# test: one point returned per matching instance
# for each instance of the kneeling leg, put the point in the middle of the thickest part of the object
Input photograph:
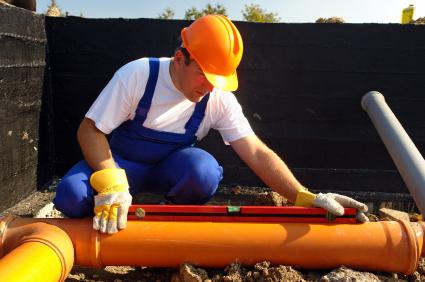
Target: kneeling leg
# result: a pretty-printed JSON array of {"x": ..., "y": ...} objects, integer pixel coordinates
[{"x": 188, "y": 176}]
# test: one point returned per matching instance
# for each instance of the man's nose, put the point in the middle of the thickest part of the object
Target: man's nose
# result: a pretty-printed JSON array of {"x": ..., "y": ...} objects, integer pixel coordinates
[{"x": 208, "y": 86}]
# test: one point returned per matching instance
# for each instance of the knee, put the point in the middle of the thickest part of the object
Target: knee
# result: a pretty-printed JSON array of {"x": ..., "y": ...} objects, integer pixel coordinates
[
  {"x": 205, "y": 174},
  {"x": 202, "y": 179},
  {"x": 74, "y": 197}
]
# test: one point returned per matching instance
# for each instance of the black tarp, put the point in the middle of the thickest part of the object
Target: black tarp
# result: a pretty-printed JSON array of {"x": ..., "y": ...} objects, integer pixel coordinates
[{"x": 300, "y": 87}]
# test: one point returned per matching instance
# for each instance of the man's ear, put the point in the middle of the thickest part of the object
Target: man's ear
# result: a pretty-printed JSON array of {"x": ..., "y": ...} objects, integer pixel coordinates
[{"x": 179, "y": 57}]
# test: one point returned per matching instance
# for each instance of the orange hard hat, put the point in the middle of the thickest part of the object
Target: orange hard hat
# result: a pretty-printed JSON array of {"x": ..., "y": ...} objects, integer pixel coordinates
[{"x": 216, "y": 45}]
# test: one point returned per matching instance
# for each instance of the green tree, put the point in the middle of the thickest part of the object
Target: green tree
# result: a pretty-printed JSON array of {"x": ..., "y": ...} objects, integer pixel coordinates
[
  {"x": 193, "y": 13},
  {"x": 254, "y": 13},
  {"x": 167, "y": 14},
  {"x": 219, "y": 9},
  {"x": 337, "y": 20}
]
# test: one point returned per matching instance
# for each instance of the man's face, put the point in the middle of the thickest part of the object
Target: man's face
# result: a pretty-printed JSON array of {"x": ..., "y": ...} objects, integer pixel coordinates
[{"x": 193, "y": 83}]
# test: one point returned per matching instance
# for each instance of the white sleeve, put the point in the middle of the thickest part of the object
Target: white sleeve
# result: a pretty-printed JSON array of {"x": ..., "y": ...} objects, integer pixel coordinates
[
  {"x": 231, "y": 123},
  {"x": 118, "y": 100},
  {"x": 112, "y": 107}
]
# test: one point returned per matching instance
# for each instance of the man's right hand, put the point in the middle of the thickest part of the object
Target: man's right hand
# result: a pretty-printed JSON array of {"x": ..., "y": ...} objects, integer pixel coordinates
[{"x": 112, "y": 201}]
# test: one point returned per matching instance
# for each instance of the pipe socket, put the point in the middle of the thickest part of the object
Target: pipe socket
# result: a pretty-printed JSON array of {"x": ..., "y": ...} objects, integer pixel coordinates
[{"x": 33, "y": 251}]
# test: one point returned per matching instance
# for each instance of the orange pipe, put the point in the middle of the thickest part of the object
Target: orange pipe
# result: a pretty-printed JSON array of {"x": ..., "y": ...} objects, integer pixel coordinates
[
  {"x": 33, "y": 251},
  {"x": 381, "y": 246}
]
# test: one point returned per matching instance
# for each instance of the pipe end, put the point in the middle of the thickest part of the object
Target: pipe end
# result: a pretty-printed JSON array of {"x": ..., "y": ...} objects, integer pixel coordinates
[{"x": 369, "y": 95}]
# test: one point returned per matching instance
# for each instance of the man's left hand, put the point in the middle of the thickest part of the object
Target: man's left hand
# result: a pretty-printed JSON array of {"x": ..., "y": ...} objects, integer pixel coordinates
[{"x": 334, "y": 203}]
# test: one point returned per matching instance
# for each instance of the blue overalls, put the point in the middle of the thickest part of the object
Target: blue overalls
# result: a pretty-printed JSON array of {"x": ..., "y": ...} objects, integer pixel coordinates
[{"x": 158, "y": 162}]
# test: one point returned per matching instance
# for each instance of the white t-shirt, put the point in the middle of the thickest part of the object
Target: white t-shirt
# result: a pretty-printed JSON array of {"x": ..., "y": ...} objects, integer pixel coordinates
[{"x": 170, "y": 110}]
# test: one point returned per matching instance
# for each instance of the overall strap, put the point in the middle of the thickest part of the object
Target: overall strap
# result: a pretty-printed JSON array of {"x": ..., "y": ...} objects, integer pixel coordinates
[
  {"x": 195, "y": 120},
  {"x": 146, "y": 101}
]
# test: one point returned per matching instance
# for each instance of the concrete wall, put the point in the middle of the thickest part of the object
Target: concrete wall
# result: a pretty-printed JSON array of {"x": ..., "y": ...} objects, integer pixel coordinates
[
  {"x": 22, "y": 61},
  {"x": 300, "y": 87}
]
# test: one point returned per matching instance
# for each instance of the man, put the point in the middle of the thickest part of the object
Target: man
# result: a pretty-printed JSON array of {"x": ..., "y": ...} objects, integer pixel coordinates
[{"x": 156, "y": 109}]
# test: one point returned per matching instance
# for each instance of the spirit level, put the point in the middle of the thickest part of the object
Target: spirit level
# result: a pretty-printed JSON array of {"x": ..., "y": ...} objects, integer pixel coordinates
[{"x": 238, "y": 214}]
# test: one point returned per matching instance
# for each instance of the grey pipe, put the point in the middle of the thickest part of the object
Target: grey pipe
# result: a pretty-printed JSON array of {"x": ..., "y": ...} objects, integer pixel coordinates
[{"x": 404, "y": 153}]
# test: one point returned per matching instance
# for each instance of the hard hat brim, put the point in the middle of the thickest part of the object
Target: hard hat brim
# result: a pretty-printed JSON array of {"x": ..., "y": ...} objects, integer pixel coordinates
[{"x": 224, "y": 83}]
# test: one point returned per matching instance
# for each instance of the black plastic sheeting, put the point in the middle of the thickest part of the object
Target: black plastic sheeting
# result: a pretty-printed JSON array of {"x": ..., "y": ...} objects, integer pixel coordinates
[
  {"x": 22, "y": 61},
  {"x": 300, "y": 87}
]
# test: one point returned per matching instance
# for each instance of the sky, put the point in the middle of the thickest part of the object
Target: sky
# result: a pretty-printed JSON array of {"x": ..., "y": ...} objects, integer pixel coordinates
[{"x": 289, "y": 11}]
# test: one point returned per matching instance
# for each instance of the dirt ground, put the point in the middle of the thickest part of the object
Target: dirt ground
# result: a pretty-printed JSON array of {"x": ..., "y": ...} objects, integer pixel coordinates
[{"x": 262, "y": 271}]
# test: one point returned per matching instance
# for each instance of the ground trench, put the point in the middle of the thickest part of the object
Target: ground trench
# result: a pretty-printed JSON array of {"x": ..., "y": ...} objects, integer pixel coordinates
[{"x": 39, "y": 205}]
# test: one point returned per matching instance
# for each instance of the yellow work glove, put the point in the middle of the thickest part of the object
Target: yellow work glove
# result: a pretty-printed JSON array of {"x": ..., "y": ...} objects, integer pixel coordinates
[
  {"x": 112, "y": 201},
  {"x": 334, "y": 203}
]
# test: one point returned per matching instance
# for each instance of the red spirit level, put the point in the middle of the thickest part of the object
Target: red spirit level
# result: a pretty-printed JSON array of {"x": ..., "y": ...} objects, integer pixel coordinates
[{"x": 238, "y": 214}]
